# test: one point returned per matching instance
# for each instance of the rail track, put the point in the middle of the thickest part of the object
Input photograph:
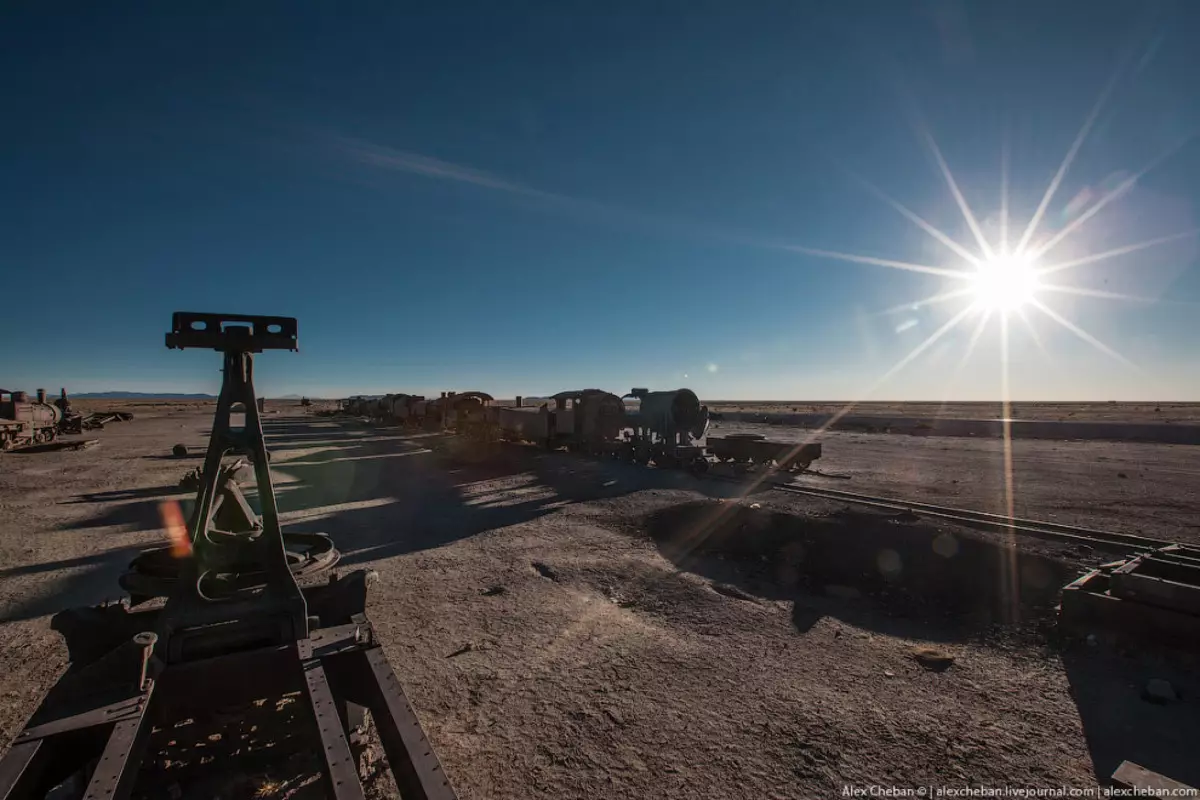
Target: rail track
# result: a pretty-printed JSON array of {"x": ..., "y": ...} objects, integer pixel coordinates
[
  {"x": 1111, "y": 541},
  {"x": 1108, "y": 540}
]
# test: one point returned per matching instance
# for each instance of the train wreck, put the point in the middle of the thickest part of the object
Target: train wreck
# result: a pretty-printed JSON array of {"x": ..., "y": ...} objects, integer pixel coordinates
[
  {"x": 668, "y": 429},
  {"x": 25, "y": 422}
]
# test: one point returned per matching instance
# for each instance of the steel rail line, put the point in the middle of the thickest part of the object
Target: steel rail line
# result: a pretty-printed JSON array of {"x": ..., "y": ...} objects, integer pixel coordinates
[{"x": 1039, "y": 528}]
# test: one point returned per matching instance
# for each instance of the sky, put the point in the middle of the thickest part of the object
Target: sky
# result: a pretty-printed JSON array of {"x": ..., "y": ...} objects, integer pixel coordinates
[{"x": 528, "y": 197}]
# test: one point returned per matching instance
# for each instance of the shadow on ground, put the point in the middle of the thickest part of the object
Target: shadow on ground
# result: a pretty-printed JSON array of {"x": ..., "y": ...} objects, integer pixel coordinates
[
  {"x": 122, "y": 495},
  {"x": 395, "y": 495},
  {"x": 381, "y": 493},
  {"x": 93, "y": 578},
  {"x": 1121, "y": 724},
  {"x": 868, "y": 570}
]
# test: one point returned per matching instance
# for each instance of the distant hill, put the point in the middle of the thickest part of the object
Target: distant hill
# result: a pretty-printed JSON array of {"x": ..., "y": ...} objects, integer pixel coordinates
[{"x": 140, "y": 396}]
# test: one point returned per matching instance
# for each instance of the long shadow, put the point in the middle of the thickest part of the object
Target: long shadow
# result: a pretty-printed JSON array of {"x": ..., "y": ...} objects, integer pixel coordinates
[
  {"x": 139, "y": 515},
  {"x": 868, "y": 570},
  {"x": 122, "y": 495},
  {"x": 379, "y": 497},
  {"x": 97, "y": 581},
  {"x": 393, "y": 497},
  {"x": 389, "y": 501},
  {"x": 1121, "y": 725}
]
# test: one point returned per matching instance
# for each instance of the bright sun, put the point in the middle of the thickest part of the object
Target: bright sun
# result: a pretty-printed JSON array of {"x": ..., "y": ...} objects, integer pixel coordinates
[{"x": 1005, "y": 283}]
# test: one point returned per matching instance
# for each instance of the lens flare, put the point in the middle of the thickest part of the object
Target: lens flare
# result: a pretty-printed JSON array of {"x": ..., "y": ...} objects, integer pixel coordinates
[{"x": 176, "y": 528}]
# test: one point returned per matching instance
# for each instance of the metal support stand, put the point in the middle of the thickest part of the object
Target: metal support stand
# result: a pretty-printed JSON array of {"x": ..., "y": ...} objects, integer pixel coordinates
[
  {"x": 274, "y": 611},
  {"x": 236, "y": 630}
]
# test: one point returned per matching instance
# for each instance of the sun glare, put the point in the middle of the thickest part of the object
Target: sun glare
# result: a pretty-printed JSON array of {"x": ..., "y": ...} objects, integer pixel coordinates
[{"x": 1004, "y": 283}]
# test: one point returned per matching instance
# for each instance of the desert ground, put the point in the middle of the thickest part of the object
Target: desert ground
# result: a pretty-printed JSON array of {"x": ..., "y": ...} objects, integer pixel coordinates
[
  {"x": 1061, "y": 412},
  {"x": 576, "y": 628}
]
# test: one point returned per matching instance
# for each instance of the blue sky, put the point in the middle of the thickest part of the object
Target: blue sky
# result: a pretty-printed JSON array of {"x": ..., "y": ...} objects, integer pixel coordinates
[{"x": 527, "y": 197}]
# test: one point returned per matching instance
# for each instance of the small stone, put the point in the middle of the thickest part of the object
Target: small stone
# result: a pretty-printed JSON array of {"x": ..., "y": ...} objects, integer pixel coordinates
[
  {"x": 932, "y": 659},
  {"x": 492, "y": 591},
  {"x": 756, "y": 505},
  {"x": 179, "y": 450},
  {"x": 1159, "y": 691},
  {"x": 888, "y": 673},
  {"x": 1122, "y": 475},
  {"x": 615, "y": 716}
]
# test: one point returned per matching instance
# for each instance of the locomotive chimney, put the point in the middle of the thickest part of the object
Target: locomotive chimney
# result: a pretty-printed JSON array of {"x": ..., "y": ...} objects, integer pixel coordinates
[
  {"x": 41, "y": 395},
  {"x": 519, "y": 399},
  {"x": 63, "y": 396}
]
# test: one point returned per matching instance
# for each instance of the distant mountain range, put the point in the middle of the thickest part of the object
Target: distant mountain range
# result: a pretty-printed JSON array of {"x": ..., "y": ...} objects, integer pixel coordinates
[
  {"x": 158, "y": 396},
  {"x": 139, "y": 396}
]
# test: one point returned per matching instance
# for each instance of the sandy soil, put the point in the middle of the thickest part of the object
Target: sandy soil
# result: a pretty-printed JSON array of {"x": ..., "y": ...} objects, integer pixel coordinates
[
  {"x": 1063, "y": 412},
  {"x": 580, "y": 629},
  {"x": 1147, "y": 489}
]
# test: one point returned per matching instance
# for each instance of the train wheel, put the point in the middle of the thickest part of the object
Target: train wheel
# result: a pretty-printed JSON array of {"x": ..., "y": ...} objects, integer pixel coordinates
[{"x": 699, "y": 466}]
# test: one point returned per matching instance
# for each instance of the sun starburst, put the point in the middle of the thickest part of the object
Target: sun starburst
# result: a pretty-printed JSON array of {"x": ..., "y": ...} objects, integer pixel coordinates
[{"x": 999, "y": 283}]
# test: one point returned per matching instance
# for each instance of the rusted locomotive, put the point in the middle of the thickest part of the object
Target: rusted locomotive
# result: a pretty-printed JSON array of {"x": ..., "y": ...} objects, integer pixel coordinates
[
  {"x": 453, "y": 410},
  {"x": 583, "y": 420},
  {"x": 24, "y": 421},
  {"x": 665, "y": 428}
]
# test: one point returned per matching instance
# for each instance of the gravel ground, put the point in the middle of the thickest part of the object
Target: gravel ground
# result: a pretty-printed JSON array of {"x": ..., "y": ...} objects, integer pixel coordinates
[
  {"x": 1147, "y": 489},
  {"x": 1074, "y": 412},
  {"x": 573, "y": 628}
]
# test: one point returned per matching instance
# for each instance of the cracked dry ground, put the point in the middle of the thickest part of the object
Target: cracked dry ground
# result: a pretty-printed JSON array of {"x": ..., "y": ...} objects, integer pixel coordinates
[{"x": 579, "y": 629}]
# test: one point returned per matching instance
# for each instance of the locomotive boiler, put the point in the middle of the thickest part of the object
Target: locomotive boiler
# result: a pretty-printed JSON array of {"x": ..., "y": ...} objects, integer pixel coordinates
[{"x": 667, "y": 427}]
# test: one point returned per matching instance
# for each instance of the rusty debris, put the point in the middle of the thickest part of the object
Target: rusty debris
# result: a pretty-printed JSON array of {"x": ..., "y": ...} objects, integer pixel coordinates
[{"x": 1155, "y": 594}]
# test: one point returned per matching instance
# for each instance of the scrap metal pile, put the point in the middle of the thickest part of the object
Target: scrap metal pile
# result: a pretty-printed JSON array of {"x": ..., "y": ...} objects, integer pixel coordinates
[
  {"x": 1153, "y": 594},
  {"x": 241, "y": 666},
  {"x": 667, "y": 429},
  {"x": 95, "y": 421}
]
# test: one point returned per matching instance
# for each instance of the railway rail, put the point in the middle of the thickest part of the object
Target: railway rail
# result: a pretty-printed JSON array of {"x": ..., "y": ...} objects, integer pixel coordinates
[
  {"x": 1105, "y": 540},
  {"x": 1108, "y": 540}
]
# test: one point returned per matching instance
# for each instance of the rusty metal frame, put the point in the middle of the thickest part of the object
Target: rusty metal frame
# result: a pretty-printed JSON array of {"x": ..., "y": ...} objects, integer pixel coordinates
[
  {"x": 1152, "y": 596},
  {"x": 192, "y": 653}
]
